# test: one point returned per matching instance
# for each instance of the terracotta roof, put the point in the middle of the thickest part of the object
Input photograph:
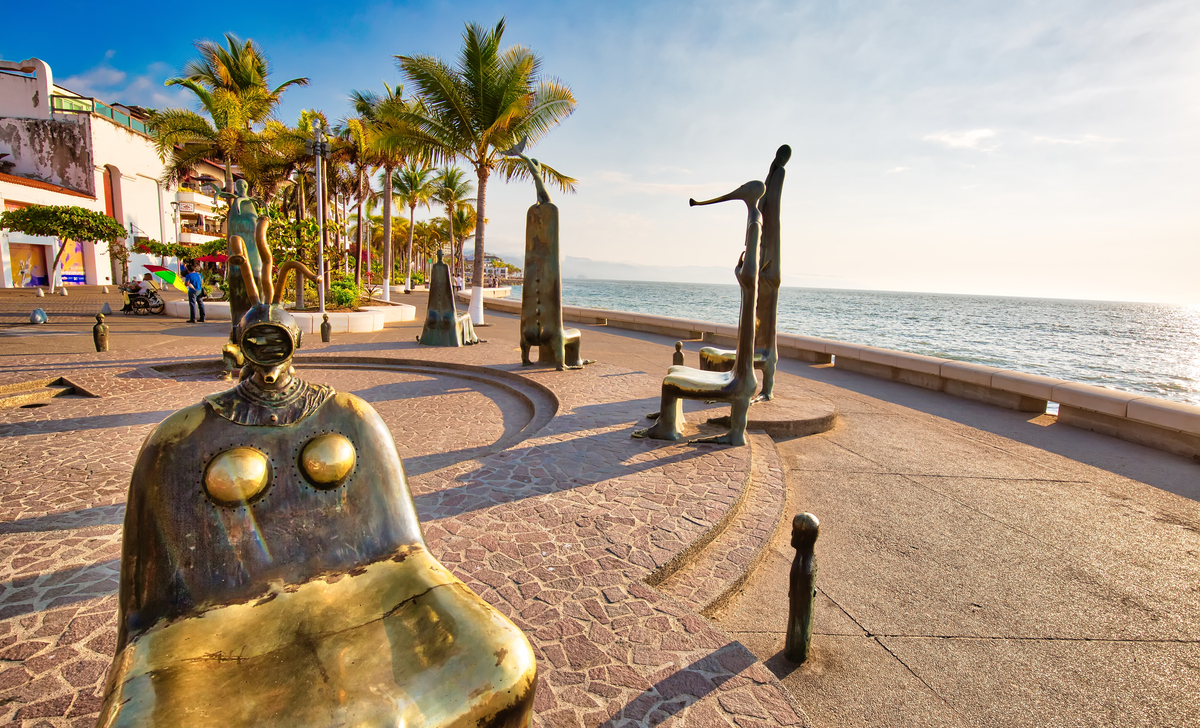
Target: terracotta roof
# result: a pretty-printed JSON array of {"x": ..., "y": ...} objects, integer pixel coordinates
[{"x": 38, "y": 184}]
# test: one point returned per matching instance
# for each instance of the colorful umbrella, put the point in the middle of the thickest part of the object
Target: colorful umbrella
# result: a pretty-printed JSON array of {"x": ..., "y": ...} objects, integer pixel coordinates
[{"x": 168, "y": 276}]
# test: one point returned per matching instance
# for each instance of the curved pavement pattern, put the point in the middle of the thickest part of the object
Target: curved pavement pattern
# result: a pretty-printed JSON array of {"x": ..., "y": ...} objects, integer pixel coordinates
[{"x": 528, "y": 487}]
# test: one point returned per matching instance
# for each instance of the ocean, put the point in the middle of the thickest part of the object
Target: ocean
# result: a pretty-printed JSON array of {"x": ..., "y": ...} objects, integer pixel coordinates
[{"x": 1146, "y": 348}]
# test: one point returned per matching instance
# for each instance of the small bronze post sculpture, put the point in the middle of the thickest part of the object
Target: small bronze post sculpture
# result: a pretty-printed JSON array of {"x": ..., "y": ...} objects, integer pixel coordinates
[
  {"x": 802, "y": 589},
  {"x": 273, "y": 571},
  {"x": 444, "y": 325},
  {"x": 100, "y": 333},
  {"x": 766, "y": 309},
  {"x": 541, "y": 294},
  {"x": 677, "y": 357},
  {"x": 736, "y": 386},
  {"x": 326, "y": 328}
]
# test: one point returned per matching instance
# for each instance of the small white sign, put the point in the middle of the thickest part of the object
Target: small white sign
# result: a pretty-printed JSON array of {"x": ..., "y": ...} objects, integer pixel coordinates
[{"x": 187, "y": 207}]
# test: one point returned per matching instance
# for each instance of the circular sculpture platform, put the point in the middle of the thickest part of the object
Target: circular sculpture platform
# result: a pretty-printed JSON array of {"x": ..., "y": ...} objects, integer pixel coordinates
[{"x": 792, "y": 413}]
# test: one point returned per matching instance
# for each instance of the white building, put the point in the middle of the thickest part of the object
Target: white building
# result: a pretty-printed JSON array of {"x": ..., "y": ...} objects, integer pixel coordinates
[{"x": 65, "y": 149}]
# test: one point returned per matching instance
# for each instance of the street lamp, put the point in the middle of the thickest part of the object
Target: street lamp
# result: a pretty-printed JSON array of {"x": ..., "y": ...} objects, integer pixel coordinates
[
  {"x": 319, "y": 148},
  {"x": 175, "y": 218}
]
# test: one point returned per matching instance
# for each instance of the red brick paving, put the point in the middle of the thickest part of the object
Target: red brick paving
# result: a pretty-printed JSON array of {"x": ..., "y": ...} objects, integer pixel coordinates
[{"x": 558, "y": 528}]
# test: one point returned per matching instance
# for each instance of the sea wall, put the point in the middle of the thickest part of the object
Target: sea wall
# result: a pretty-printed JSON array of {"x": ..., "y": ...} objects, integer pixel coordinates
[{"x": 1150, "y": 421}]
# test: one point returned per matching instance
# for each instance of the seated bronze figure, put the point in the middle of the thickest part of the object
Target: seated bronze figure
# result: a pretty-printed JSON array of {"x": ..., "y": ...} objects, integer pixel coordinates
[
  {"x": 541, "y": 290},
  {"x": 444, "y": 325},
  {"x": 737, "y": 385},
  {"x": 273, "y": 571},
  {"x": 766, "y": 309}
]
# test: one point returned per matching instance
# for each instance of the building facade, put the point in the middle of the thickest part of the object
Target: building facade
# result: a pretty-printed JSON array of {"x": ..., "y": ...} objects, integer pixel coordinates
[{"x": 60, "y": 148}]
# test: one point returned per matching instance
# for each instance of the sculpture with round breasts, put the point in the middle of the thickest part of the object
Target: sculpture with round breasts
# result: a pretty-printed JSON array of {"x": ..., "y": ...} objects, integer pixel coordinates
[{"x": 273, "y": 571}]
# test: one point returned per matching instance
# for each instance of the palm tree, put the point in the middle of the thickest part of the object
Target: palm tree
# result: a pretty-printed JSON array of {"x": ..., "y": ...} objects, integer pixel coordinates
[
  {"x": 381, "y": 115},
  {"x": 353, "y": 132},
  {"x": 488, "y": 102},
  {"x": 452, "y": 189},
  {"x": 231, "y": 84},
  {"x": 464, "y": 229},
  {"x": 413, "y": 185}
]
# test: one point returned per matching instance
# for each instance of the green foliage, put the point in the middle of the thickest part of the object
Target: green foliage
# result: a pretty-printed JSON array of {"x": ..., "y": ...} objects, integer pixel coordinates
[
  {"x": 179, "y": 250},
  {"x": 65, "y": 222},
  {"x": 343, "y": 293}
]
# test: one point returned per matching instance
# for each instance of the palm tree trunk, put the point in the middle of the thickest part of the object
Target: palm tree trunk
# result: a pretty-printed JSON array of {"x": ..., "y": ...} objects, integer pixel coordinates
[
  {"x": 412, "y": 212},
  {"x": 62, "y": 247},
  {"x": 387, "y": 233},
  {"x": 358, "y": 236},
  {"x": 476, "y": 308},
  {"x": 450, "y": 229}
]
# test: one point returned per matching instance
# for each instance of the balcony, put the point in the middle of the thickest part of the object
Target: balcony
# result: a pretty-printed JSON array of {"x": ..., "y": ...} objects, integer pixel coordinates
[
  {"x": 83, "y": 105},
  {"x": 198, "y": 200}
]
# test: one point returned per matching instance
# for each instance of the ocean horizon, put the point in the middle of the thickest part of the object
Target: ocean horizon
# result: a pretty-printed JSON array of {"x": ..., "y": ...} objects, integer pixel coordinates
[{"x": 1145, "y": 348}]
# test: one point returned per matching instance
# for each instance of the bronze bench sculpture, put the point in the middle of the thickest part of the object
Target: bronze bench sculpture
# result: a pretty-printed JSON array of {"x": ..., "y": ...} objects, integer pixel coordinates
[
  {"x": 736, "y": 386},
  {"x": 444, "y": 325},
  {"x": 766, "y": 309},
  {"x": 273, "y": 571},
  {"x": 541, "y": 291}
]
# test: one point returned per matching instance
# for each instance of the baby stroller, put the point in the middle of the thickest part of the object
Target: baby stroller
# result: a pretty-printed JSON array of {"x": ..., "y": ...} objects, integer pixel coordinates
[{"x": 143, "y": 303}]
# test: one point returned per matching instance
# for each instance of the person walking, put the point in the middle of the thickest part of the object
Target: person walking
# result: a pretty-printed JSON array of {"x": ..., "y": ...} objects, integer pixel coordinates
[{"x": 195, "y": 288}]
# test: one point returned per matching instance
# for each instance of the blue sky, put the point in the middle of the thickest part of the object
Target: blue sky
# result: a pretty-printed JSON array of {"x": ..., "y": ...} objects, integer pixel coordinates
[{"x": 1042, "y": 148}]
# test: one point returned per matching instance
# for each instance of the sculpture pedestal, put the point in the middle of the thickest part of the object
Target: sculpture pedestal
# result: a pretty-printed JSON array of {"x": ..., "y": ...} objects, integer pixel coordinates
[{"x": 792, "y": 413}]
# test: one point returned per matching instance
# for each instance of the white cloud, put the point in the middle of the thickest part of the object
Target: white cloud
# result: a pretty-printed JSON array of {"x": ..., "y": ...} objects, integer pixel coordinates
[
  {"x": 974, "y": 139},
  {"x": 1085, "y": 139},
  {"x": 894, "y": 170},
  {"x": 112, "y": 85}
]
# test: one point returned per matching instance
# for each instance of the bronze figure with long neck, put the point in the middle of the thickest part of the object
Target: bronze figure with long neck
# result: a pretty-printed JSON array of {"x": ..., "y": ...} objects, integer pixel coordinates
[{"x": 737, "y": 386}]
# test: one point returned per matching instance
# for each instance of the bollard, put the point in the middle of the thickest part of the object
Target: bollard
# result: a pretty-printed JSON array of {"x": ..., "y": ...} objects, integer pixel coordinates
[
  {"x": 100, "y": 333},
  {"x": 326, "y": 329},
  {"x": 106, "y": 309},
  {"x": 40, "y": 293},
  {"x": 802, "y": 589},
  {"x": 104, "y": 289},
  {"x": 62, "y": 291},
  {"x": 677, "y": 359},
  {"x": 38, "y": 316}
]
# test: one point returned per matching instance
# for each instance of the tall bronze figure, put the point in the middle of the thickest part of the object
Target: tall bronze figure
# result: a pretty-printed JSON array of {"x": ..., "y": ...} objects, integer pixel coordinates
[
  {"x": 444, "y": 325},
  {"x": 766, "y": 309},
  {"x": 737, "y": 385},
  {"x": 541, "y": 292},
  {"x": 243, "y": 224},
  {"x": 273, "y": 571}
]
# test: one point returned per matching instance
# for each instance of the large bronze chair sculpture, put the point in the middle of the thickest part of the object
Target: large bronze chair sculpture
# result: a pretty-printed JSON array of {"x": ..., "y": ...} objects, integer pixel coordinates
[
  {"x": 766, "y": 309},
  {"x": 737, "y": 385},
  {"x": 444, "y": 325},
  {"x": 273, "y": 571},
  {"x": 541, "y": 291}
]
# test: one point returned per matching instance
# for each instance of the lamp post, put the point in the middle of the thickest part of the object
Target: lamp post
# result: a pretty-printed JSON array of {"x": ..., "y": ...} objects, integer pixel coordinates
[
  {"x": 175, "y": 218},
  {"x": 319, "y": 148}
]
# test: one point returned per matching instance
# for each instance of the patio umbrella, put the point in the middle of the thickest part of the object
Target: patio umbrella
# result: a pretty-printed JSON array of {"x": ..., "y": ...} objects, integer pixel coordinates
[
  {"x": 168, "y": 276},
  {"x": 214, "y": 258}
]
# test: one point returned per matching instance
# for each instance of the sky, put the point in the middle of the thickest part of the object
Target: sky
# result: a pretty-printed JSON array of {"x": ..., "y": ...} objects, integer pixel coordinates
[{"x": 1044, "y": 148}]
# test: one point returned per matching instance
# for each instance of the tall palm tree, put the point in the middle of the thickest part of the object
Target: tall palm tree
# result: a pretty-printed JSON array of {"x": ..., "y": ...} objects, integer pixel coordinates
[
  {"x": 491, "y": 99},
  {"x": 353, "y": 132},
  {"x": 452, "y": 189},
  {"x": 413, "y": 184},
  {"x": 231, "y": 85},
  {"x": 464, "y": 229},
  {"x": 382, "y": 115}
]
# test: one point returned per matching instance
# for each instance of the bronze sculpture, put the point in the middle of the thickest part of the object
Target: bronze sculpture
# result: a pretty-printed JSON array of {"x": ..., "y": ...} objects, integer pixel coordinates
[
  {"x": 541, "y": 292},
  {"x": 444, "y": 325},
  {"x": 737, "y": 385},
  {"x": 100, "y": 333},
  {"x": 326, "y": 328},
  {"x": 273, "y": 571},
  {"x": 766, "y": 309},
  {"x": 802, "y": 590},
  {"x": 243, "y": 224}
]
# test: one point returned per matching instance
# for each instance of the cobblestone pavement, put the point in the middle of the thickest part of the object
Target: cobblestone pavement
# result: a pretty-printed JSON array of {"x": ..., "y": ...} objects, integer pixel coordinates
[{"x": 559, "y": 526}]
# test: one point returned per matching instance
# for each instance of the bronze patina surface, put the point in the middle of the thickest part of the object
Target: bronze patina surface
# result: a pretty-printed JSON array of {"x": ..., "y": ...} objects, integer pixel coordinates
[
  {"x": 273, "y": 571},
  {"x": 802, "y": 589},
  {"x": 100, "y": 333},
  {"x": 766, "y": 309},
  {"x": 541, "y": 291},
  {"x": 736, "y": 386},
  {"x": 444, "y": 325}
]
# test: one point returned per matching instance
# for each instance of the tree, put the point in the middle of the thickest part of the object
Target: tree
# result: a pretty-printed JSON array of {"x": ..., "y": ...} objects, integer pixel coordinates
[
  {"x": 383, "y": 120},
  {"x": 487, "y": 103},
  {"x": 64, "y": 223},
  {"x": 452, "y": 190},
  {"x": 413, "y": 185},
  {"x": 231, "y": 84}
]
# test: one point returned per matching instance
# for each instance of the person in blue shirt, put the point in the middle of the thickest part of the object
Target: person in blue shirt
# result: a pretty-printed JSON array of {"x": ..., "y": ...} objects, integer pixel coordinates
[{"x": 195, "y": 284}]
